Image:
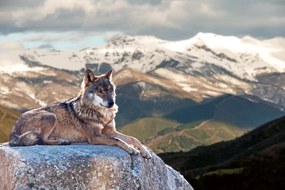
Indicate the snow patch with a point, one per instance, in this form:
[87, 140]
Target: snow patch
[236, 45]
[47, 82]
[212, 93]
[12, 63]
[187, 87]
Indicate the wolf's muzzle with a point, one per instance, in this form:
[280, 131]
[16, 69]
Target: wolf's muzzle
[110, 103]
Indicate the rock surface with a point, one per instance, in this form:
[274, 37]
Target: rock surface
[84, 167]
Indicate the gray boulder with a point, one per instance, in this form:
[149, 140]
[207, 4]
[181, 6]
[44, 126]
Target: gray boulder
[84, 167]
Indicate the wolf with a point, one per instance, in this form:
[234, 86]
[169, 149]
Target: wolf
[89, 117]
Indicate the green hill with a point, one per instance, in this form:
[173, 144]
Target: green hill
[189, 136]
[252, 161]
[7, 120]
[147, 128]
[163, 135]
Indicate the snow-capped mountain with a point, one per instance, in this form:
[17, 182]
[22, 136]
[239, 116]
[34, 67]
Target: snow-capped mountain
[244, 57]
[215, 87]
[205, 66]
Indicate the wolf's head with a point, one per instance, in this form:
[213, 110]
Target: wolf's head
[98, 90]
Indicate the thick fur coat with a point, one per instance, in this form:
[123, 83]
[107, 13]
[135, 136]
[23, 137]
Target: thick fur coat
[89, 117]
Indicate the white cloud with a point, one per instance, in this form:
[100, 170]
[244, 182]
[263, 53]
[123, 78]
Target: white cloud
[50, 7]
[71, 20]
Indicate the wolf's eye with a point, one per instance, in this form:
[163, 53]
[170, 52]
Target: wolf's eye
[100, 90]
[110, 89]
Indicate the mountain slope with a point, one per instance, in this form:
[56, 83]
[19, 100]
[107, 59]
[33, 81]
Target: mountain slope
[238, 164]
[148, 100]
[34, 88]
[147, 128]
[200, 124]
[191, 135]
[234, 110]
[7, 119]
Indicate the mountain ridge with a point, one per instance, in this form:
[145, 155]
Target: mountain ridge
[225, 152]
[237, 164]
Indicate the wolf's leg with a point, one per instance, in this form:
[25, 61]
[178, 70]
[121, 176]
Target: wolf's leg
[133, 141]
[111, 131]
[48, 123]
[105, 140]
[27, 139]
[36, 128]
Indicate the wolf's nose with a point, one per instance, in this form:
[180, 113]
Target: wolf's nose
[110, 103]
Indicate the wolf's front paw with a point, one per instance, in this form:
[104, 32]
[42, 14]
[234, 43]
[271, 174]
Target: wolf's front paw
[145, 153]
[132, 151]
[64, 142]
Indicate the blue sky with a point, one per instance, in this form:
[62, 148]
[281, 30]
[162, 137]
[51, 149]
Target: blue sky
[21, 40]
[73, 25]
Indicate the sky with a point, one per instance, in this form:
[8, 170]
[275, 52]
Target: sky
[77, 24]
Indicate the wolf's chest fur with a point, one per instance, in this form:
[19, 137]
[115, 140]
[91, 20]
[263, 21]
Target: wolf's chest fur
[96, 115]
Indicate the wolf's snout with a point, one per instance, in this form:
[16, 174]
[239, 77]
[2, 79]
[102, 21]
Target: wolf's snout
[110, 103]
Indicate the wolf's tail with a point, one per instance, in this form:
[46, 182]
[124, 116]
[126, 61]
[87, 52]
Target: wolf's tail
[27, 139]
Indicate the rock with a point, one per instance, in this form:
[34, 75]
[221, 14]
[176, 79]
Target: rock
[84, 166]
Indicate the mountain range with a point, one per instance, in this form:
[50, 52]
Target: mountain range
[252, 161]
[172, 95]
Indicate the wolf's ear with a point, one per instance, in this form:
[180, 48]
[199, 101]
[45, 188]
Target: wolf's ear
[109, 74]
[89, 77]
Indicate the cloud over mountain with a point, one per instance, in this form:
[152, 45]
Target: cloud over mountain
[163, 18]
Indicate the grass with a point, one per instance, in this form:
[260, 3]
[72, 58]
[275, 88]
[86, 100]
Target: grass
[163, 135]
[147, 128]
